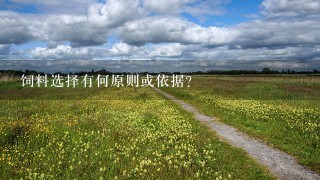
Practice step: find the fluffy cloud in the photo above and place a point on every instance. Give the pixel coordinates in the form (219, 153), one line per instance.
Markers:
(66, 52)
(17, 29)
(14, 29)
(121, 49)
(283, 64)
(290, 53)
(88, 29)
(149, 28)
(93, 28)
(277, 34)
(155, 66)
(169, 50)
(77, 30)
(169, 29)
(290, 8)
(61, 52)
(114, 13)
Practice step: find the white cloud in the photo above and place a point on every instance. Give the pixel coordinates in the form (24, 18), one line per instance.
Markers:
(121, 49)
(289, 29)
(61, 52)
(168, 29)
(115, 12)
(169, 50)
(19, 29)
(14, 29)
(289, 8)
(277, 33)
(77, 30)
(224, 53)
(283, 65)
(80, 30)
(174, 51)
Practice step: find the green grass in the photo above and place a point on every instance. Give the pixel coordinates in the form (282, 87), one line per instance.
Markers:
(283, 111)
(110, 133)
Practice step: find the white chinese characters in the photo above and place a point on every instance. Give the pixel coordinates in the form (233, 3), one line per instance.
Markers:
(115, 80)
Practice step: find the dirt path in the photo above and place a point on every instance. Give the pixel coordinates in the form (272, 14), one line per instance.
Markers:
(279, 163)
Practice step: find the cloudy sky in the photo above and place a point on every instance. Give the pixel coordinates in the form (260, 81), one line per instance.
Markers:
(160, 29)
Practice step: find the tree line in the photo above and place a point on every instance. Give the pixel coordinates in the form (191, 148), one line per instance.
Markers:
(210, 72)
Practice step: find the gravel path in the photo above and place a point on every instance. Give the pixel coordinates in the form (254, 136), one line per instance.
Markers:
(279, 163)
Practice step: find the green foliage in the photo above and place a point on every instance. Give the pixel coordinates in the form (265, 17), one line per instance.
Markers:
(284, 111)
(110, 133)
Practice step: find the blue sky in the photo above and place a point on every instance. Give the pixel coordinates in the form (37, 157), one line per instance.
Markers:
(162, 30)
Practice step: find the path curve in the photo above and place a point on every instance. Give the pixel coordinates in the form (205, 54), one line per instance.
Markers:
(279, 163)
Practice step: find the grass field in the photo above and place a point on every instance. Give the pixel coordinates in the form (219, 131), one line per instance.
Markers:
(283, 111)
(110, 133)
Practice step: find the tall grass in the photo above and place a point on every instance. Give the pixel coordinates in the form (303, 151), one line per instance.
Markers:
(8, 78)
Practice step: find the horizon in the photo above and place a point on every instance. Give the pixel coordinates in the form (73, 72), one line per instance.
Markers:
(156, 66)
